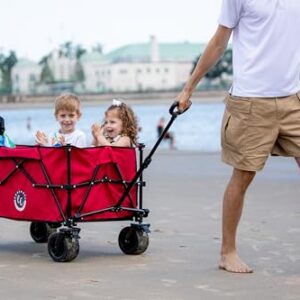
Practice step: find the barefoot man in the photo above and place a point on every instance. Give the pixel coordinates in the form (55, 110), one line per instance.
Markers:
(262, 114)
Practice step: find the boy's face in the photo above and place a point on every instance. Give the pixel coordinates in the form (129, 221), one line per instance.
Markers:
(67, 120)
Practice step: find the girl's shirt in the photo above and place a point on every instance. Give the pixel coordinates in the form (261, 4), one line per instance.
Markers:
(117, 138)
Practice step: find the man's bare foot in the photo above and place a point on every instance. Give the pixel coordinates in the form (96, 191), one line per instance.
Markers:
(232, 263)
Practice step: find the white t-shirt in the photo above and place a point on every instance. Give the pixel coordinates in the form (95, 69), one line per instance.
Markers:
(266, 46)
(76, 138)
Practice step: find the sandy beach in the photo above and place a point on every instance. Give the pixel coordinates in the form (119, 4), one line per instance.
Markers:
(184, 192)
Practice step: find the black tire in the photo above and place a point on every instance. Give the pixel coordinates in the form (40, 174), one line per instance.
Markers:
(62, 248)
(133, 240)
(41, 231)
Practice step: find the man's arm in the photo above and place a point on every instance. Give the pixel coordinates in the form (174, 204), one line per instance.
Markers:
(212, 53)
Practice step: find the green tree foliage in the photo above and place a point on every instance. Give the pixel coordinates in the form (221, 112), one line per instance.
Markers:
(224, 65)
(68, 50)
(98, 48)
(6, 64)
(79, 73)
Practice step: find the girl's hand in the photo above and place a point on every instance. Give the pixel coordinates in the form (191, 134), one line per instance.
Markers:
(96, 130)
(41, 138)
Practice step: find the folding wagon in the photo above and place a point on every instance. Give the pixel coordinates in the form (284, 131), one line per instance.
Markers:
(57, 188)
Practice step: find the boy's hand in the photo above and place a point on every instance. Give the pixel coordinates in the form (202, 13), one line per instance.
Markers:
(59, 139)
(41, 138)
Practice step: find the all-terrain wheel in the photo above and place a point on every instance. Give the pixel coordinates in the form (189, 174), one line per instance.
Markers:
(40, 231)
(62, 247)
(133, 240)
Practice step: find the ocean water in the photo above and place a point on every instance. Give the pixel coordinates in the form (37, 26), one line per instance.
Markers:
(197, 129)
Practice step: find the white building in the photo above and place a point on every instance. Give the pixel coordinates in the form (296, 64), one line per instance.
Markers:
(25, 77)
(139, 67)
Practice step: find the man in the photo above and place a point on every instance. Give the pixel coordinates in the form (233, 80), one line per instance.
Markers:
(262, 114)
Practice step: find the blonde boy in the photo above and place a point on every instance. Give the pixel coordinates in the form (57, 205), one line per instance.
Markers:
(67, 113)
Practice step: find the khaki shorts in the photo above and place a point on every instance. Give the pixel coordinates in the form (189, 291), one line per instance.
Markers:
(254, 128)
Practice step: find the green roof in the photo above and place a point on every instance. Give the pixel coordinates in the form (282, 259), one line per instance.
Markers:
(184, 51)
(93, 56)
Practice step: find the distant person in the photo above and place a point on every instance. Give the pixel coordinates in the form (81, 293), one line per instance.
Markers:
(28, 123)
(262, 114)
(168, 135)
(120, 127)
(67, 113)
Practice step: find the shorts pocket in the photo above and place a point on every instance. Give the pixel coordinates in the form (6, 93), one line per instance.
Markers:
(233, 132)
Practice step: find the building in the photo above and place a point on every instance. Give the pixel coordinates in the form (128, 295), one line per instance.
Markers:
(141, 67)
(25, 77)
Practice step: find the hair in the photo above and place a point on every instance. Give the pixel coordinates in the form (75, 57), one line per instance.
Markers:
(129, 120)
(69, 102)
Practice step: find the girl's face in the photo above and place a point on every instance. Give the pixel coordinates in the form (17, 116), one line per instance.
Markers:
(67, 120)
(113, 125)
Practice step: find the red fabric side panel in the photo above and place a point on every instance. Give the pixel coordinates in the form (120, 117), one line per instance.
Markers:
(103, 195)
(20, 152)
(20, 200)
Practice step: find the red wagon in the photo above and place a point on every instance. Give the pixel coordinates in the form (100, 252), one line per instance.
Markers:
(57, 188)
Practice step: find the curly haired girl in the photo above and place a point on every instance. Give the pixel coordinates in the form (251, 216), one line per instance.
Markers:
(120, 127)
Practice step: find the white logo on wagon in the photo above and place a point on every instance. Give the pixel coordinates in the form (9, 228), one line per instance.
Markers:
(20, 200)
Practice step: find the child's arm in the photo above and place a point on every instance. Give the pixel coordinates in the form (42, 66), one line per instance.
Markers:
(41, 138)
(98, 137)
(100, 140)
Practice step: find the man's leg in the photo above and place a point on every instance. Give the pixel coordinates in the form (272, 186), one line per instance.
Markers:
(232, 209)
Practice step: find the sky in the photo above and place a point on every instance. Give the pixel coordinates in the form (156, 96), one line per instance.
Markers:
(33, 28)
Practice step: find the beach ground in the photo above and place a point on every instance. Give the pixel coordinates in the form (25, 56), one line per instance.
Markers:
(184, 194)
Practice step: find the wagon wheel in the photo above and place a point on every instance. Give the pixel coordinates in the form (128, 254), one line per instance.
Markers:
(62, 248)
(133, 240)
(41, 231)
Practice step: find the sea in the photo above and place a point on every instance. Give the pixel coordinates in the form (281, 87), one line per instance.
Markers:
(198, 129)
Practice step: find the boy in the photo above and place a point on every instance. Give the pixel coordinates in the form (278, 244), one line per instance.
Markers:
(67, 113)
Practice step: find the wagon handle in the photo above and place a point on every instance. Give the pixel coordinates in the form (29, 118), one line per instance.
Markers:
(176, 112)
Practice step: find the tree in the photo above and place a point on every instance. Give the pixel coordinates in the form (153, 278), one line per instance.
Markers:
(97, 48)
(6, 65)
(79, 73)
(46, 74)
(224, 65)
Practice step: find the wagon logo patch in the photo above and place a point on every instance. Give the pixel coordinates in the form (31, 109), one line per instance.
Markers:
(20, 200)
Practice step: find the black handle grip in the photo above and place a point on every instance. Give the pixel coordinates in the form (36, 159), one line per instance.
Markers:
(177, 112)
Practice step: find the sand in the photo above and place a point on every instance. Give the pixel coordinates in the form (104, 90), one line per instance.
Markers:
(184, 192)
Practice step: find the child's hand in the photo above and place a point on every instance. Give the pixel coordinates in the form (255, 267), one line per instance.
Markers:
(58, 140)
(98, 135)
(41, 138)
(96, 130)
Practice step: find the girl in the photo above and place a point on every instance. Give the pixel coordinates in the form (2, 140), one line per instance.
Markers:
(120, 127)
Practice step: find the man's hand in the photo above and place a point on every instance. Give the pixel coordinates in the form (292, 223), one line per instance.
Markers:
(184, 101)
